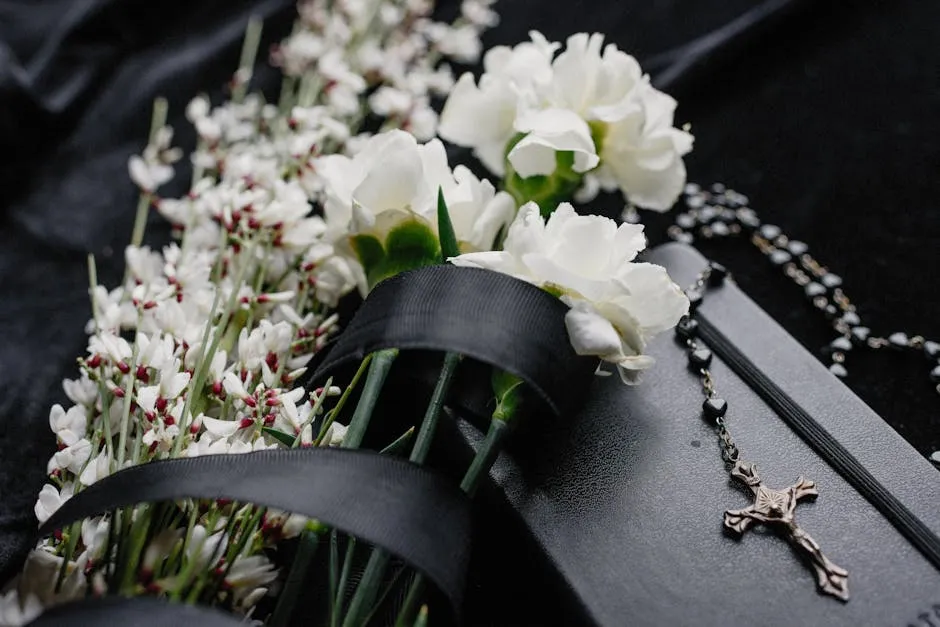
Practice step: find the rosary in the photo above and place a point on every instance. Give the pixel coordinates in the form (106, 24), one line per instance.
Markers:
(720, 212)
(771, 507)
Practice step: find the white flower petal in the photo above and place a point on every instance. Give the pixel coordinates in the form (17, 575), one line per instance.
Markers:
(551, 131)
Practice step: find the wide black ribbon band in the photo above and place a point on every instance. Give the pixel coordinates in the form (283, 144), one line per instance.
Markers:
(411, 511)
(136, 612)
(491, 317)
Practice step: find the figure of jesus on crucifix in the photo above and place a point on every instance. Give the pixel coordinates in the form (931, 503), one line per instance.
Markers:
(776, 507)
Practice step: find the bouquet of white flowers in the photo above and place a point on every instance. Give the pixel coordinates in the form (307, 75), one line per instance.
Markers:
(203, 350)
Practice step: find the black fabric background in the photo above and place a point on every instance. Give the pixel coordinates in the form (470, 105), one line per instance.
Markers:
(826, 115)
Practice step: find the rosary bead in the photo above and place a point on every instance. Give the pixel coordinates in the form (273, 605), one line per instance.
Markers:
(814, 289)
(695, 202)
(831, 312)
(718, 188)
(796, 247)
(839, 370)
(860, 335)
(898, 340)
(707, 214)
(683, 238)
(685, 221)
(932, 349)
(935, 375)
(779, 257)
(728, 215)
(715, 408)
(720, 229)
(700, 358)
(748, 218)
(717, 275)
(770, 232)
(830, 280)
(851, 318)
(840, 344)
(686, 328)
(695, 299)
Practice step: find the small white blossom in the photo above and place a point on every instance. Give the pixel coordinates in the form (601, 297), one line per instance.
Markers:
(51, 499)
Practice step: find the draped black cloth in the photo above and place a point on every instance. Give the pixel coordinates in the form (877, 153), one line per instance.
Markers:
(825, 114)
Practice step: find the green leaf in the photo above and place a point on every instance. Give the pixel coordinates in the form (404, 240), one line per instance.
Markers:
(449, 245)
(546, 191)
(369, 249)
(422, 620)
(508, 389)
(400, 443)
(409, 245)
(284, 438)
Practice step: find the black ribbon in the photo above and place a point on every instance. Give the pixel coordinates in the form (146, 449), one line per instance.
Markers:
(137, 611)
(415, 513)
(491, 317)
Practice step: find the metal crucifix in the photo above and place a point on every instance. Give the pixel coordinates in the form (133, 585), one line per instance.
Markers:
(776, 507)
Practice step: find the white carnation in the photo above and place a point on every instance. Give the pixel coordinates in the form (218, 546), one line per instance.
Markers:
(617, 305)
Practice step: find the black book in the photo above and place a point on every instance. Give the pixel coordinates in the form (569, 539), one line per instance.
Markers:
(621, 506)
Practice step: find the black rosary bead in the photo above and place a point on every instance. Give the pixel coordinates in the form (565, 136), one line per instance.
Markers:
(840, 345)
(779, 257)
(717, 274)
(830, 280)
(770, 232)
(685, 221)
(860, 335)
(797, 248)
(686, 328)
(720, 229)
(814, 289)
(898, 340)
(715, 408)
(935, 375)
(932, 349)
(707, 214)
(747, 218)
(851, 318)
(700, 358)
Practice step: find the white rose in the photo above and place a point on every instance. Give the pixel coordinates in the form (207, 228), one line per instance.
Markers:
(617, 306)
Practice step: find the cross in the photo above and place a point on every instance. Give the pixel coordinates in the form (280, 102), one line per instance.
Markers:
(776, 507)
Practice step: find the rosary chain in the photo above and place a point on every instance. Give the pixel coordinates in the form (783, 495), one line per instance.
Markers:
(719, 212)
(700, 357)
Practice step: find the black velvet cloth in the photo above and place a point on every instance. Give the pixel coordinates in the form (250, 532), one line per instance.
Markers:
(824, 113)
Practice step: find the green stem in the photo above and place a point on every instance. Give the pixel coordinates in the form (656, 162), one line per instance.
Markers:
(343, 581)
(364, 598)
(331, 416)
(479, 467)
(431, 416)
(378, 370)
(248, 56)
(361, 604)
(485, 456)
(379, 365)
(411, 601)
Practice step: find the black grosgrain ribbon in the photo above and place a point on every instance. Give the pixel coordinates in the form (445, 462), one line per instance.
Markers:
(490, 317)
(137, 611)
(412, 512)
